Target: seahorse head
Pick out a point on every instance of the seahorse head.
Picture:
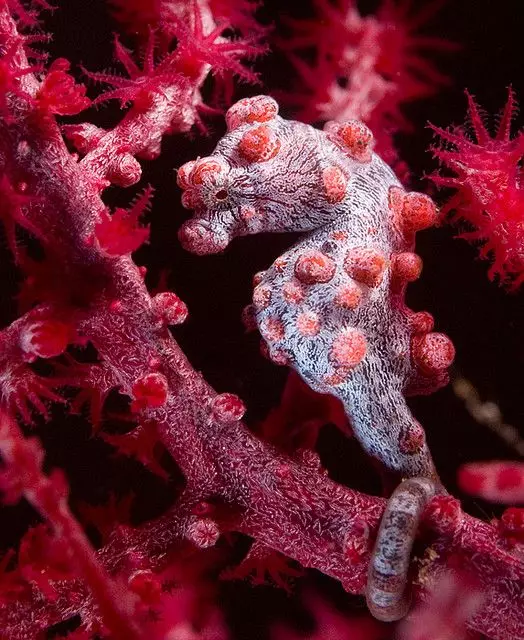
(264, 175)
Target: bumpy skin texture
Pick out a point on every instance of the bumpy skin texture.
(332, 307)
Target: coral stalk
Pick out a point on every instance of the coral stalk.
(23, 476)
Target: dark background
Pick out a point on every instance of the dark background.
(484, 321)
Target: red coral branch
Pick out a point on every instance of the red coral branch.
(23, 476)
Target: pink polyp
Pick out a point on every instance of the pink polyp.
(354, 136)
(204, 170)
(365, 265)
(335, 184)
(406, 267)
(259, 144)
(418, 212)
(348, 349)
(432, 353)
(313, 267)
(250, 110)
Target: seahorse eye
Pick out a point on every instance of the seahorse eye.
(221, 195)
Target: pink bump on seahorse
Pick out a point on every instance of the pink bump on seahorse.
(332, 307)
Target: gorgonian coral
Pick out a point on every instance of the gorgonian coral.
(94, 338)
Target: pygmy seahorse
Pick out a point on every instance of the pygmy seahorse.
(332, 307)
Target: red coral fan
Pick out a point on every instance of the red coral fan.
(92, 333)
(198, 29)
(200, 43)
(138, 15)
(28, 17)
(364, 68)
(489, 189)
(190, 43)
(45, 560)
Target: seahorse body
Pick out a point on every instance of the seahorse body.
(332, 307)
